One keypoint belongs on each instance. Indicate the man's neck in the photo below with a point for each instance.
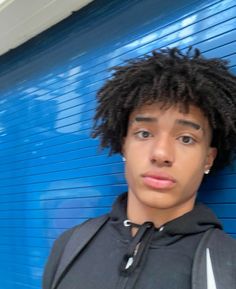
(139, 213)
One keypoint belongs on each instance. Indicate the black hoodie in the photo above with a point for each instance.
(154, 258)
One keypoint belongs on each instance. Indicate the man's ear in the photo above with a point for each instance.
(212, 153)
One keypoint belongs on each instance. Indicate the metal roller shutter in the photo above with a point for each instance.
(52, 175)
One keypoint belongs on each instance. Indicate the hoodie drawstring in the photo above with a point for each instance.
(137, 248)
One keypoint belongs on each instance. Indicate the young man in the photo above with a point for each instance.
(173, 118)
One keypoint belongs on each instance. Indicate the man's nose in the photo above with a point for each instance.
(162, 153)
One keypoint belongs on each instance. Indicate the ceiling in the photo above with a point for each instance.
(20, 20)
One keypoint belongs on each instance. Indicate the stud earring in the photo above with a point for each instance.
(123, 159)
(207, 172)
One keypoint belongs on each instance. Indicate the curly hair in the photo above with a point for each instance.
(171, 77)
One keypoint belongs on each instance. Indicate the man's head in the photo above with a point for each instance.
(170, 78)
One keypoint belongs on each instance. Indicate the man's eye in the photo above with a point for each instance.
(187, 139)
(143, 134)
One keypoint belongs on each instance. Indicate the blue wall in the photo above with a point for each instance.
(52, 175)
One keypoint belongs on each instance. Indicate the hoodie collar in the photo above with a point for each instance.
(198, 220)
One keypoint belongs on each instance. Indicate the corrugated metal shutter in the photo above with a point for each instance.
(52, 175)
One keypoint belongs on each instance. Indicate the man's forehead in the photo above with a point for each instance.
(193, 117)
(155, 110)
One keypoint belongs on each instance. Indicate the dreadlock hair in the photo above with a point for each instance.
(170, 77)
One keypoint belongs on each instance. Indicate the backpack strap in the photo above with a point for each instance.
(217, 252)
(78, 240)
(199, 278)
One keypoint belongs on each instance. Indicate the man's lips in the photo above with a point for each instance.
(159, 180)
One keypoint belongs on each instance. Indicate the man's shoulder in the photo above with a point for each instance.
(215, 261)
(221, 236)
(222, 244)
(67, 246)
(91, 225)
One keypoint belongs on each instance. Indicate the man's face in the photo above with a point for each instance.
(166, 153)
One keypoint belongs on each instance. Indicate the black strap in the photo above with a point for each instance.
(78, 240)
(222, 249)
(199, 279)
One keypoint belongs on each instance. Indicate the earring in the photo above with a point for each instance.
(207, 172)
(123, 159)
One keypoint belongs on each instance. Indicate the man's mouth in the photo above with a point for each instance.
(159, 180)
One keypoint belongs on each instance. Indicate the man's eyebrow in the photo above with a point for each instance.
(188, 123)
(145, 119)
(182, 122)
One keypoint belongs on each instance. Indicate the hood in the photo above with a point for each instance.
(191, 224)
(200, 219)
